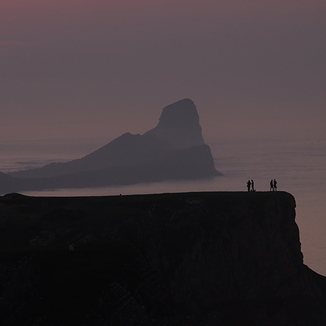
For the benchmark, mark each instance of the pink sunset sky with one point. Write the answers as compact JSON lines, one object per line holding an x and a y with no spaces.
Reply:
{"x":95,"y":69}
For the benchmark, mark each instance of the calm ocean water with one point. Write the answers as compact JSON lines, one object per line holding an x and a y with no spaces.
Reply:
{"x":298,"y":165}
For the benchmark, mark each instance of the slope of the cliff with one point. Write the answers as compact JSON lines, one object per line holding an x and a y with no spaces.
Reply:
{"x":7,"y":183}
{"x":170,"y":259}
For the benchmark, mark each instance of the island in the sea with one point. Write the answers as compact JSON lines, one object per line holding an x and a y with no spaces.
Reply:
{"x":173,"y":150}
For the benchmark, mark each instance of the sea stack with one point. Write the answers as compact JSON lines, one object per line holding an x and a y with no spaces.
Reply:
{"x":173,"y":150}
{"x":179,"y":124}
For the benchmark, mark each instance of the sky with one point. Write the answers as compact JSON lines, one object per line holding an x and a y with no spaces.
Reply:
{"x":94,"y":69}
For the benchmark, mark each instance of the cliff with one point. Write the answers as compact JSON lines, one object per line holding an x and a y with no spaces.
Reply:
{"x":169,"y":259}
{"x":173,"y":150}
{"x":179,"y":125}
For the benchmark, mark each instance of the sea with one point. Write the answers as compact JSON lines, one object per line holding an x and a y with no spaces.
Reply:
{"x":298,"y":165}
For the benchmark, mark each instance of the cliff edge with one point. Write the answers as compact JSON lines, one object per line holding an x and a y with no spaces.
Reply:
{"x":168,"y":259}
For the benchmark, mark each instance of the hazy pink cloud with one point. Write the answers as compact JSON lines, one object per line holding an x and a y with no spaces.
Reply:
{"x":65,"y":61}
{"x":75,"y":8}
{"x":13,"y":44}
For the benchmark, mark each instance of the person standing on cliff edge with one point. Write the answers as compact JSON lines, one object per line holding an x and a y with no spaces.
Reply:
{"x":271,"y":185}
{"x":275,"y":185}
{"x":248,"y":185}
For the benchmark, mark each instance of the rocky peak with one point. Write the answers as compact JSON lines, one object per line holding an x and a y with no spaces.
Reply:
{"x":179,"y":124}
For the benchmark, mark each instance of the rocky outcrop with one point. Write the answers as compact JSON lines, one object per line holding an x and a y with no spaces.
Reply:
{"x":179,"y":125}
{"x":7,"y":183}
{"x":173,"y":150}
{"x":169,"y":259}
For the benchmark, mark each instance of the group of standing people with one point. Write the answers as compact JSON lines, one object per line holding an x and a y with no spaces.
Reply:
{"x":251,"y":185}
{"x":273,"y":185}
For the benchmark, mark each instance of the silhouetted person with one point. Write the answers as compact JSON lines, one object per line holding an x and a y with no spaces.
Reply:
{"x":275,"y":185}
{"x":248,"y":185}
{"x":271,"y":185}
{"x":252,"y":185}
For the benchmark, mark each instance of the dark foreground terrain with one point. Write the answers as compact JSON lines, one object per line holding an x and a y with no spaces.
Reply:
{"x":169,"y":259}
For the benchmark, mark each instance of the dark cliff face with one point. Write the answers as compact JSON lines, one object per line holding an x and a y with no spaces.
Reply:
{"x":170,"y":259}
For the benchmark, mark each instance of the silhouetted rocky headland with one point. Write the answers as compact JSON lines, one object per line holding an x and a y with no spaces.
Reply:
{"x":173,"y":150}
{"x":170,"y":259}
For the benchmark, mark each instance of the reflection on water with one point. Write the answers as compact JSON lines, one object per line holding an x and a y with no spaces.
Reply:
{"x":298,"y":165}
